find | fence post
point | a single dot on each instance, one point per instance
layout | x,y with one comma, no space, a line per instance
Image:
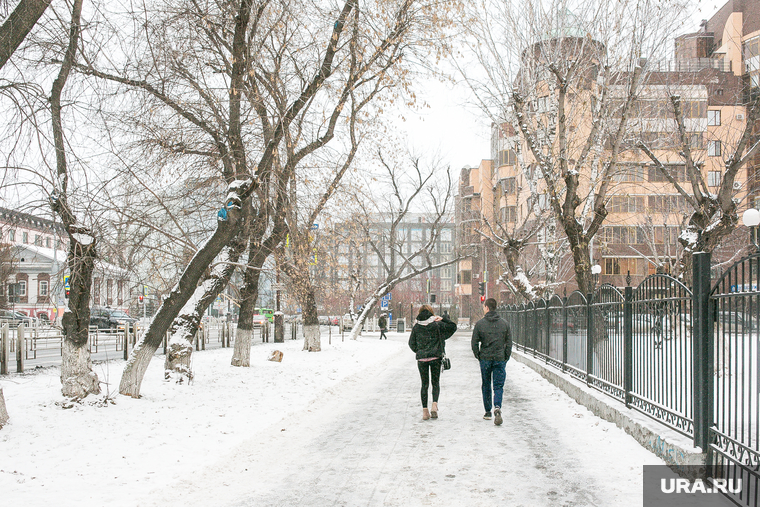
628,344
589,337
564,334
6,344
548,331
20,347
703,381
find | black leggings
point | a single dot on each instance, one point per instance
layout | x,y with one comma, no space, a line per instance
425,376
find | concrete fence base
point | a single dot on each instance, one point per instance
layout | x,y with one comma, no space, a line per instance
672,447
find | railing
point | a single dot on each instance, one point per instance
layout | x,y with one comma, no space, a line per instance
689,359
24,347
629,345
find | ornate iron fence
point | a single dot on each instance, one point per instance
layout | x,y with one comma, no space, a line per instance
687,358
733,357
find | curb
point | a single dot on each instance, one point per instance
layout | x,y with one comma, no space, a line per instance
672,447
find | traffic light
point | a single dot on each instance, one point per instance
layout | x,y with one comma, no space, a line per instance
140,298
67,292
482,299
482,289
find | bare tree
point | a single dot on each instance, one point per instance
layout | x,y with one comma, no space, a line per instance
713,214
566,81
18,24
383,222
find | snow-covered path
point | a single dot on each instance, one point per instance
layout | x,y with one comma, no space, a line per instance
366,444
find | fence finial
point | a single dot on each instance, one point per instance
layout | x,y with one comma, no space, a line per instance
628,278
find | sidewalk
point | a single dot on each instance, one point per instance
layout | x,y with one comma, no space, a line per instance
366,444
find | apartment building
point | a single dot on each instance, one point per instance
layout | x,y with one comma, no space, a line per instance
347,257
714,73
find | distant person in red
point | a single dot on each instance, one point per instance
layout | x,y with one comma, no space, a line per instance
428,341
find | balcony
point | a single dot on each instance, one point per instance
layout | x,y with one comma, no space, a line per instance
689,65
470,215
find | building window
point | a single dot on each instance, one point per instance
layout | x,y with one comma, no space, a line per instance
713,148
506,157
43,289
446,235
465,277
12,235
713,178
611,267
713,118
21,288
37,240
25,237
47,243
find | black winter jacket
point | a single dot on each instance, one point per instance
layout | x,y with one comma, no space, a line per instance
428,335
492,339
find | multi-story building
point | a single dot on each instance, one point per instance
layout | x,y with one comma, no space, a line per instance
714,72
38,251
347,258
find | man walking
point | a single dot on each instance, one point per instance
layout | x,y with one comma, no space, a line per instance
492,346
382,322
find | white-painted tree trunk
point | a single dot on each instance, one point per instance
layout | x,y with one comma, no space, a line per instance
368,307
3,411
241,355
77,378
311,338
179,355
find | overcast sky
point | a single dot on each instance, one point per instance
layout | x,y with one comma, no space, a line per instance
457,130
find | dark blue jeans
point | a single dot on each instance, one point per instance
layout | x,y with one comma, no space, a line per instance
492,371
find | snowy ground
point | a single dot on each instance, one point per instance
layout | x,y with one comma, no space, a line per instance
340,427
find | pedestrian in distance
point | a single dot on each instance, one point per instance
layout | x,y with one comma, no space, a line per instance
382,322
428,342
492,346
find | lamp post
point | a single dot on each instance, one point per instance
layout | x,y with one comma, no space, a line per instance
596,269
751,219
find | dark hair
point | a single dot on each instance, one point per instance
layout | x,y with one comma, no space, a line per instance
491,304
428,308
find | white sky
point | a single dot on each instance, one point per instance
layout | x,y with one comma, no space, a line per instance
453,127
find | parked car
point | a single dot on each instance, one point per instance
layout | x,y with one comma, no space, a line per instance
335,321
15,318
105,317
348,322
323,320
259,320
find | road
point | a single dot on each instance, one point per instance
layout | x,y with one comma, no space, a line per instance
365,443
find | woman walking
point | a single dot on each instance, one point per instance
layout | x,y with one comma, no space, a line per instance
427,341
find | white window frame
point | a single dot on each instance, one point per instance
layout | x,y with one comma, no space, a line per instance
21,288
713,149
43,288
713,117
713,178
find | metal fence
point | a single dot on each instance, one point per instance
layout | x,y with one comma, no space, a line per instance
689,359
23,347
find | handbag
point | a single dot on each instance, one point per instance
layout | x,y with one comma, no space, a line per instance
445,361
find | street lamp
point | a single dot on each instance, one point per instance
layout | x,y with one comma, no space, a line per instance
751,219
596,270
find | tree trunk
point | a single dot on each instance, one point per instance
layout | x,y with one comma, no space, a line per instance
3,411
311,336
18,25
77,378
241,355
369,305
187,322
134,371
582,264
